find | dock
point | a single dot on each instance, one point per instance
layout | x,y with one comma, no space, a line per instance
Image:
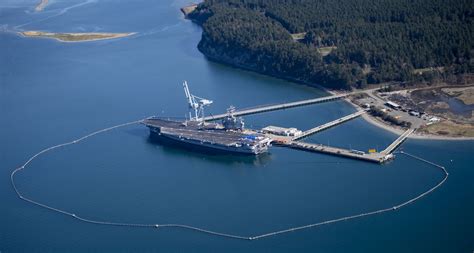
398,141
329,125
275,107
319,148
376,157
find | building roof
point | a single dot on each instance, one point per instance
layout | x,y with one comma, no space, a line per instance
393,104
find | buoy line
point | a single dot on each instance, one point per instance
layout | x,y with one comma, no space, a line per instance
202,230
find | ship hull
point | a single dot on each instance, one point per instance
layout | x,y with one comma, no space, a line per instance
202,145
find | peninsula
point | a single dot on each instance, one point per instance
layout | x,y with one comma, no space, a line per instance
186,10
75,37
384,50
341,44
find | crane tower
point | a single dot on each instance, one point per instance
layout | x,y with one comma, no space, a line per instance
195,104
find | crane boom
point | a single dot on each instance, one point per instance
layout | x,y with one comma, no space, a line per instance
195,103
191,101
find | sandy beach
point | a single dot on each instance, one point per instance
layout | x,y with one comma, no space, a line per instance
188,9
75,37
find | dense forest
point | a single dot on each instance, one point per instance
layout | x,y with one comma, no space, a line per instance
342,43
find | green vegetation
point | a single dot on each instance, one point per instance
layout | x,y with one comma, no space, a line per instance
346,43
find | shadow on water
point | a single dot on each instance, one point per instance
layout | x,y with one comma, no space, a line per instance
174,148
138,132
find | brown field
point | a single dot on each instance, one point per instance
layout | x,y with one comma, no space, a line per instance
464,94
449,128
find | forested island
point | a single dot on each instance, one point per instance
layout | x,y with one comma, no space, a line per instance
341,44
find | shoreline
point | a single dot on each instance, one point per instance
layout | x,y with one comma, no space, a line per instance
414,135
41,5
366,117
74,37
281,77
398,131
186,10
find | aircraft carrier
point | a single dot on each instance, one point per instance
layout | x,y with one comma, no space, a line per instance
229,135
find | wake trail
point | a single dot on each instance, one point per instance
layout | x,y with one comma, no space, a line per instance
60,13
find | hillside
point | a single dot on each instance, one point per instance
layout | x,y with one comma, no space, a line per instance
341,43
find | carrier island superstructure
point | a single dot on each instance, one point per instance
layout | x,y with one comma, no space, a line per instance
229,135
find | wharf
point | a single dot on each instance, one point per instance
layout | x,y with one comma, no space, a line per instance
376,157
370,157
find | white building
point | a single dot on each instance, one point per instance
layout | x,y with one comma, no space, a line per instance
282,131
393,105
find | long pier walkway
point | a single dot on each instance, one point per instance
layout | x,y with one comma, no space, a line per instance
398,141
275,107
329,125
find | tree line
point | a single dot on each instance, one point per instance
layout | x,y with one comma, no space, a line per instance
369,41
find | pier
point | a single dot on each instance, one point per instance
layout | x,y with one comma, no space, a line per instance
376,157
329,125
354,154
398,141
275,107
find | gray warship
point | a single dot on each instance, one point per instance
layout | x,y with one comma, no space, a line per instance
228,136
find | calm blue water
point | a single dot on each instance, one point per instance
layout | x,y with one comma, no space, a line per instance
52,92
